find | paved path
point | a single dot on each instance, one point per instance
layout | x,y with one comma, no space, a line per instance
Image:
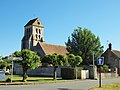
72,85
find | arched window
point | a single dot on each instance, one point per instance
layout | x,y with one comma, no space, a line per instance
39,36
39,31
41,40
36,30
36,36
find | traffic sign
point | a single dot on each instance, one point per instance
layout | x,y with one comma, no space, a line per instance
100,61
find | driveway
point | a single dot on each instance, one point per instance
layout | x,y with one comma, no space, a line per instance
70,85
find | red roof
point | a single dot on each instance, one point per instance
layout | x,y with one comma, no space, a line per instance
51,49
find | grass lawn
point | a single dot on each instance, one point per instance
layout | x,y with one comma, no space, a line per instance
32,79
112,86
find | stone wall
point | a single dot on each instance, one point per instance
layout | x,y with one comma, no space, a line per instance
45,71
108,75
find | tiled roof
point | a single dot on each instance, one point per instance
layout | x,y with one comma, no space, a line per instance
31,22
51,49
117,53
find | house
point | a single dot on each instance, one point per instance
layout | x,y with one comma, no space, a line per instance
33,39
112,58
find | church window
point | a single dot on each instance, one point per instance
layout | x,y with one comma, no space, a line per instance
39,36
38,22
36,36
41,40
36,30
39,31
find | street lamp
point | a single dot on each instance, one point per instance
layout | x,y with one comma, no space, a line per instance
14,59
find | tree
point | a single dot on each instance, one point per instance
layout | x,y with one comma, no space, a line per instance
71,59
83,43
30,61
55,60
4,62
62,60
74,61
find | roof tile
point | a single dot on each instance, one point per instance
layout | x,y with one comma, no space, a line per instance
51,49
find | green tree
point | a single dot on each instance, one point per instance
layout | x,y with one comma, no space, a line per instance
4,62
55,60
83,43
62,60
17,54
30,61
71,59
74,61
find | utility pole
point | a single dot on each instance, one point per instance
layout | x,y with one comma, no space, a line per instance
12,72
100,81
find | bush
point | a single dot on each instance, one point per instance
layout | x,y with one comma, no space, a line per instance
67,73
8,80
26,76
70,73
105,68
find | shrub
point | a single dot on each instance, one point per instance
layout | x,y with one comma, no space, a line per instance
105,68
26,76
8,80
70,73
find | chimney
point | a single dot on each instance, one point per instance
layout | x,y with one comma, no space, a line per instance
110,46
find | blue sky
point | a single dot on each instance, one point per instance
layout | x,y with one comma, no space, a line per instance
60,18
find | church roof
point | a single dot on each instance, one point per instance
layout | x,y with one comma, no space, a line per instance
117,53
51,49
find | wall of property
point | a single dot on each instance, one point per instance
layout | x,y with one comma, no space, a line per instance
108,75
45,71
92,71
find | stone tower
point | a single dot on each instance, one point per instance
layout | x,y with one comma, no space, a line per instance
33,34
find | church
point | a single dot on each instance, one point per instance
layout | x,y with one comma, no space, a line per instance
33,40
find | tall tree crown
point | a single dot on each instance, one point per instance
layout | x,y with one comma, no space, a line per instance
83,43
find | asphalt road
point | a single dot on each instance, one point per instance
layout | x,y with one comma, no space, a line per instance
70,85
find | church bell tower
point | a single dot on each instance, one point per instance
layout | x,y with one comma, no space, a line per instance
33,34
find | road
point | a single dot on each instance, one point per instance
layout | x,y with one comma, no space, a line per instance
70,85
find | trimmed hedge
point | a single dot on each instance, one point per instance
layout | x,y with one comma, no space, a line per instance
70,73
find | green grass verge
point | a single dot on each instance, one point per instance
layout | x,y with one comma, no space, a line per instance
32,79
112,86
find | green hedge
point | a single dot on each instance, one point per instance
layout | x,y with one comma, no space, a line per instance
70,73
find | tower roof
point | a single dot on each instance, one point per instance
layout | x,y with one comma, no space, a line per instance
32,22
